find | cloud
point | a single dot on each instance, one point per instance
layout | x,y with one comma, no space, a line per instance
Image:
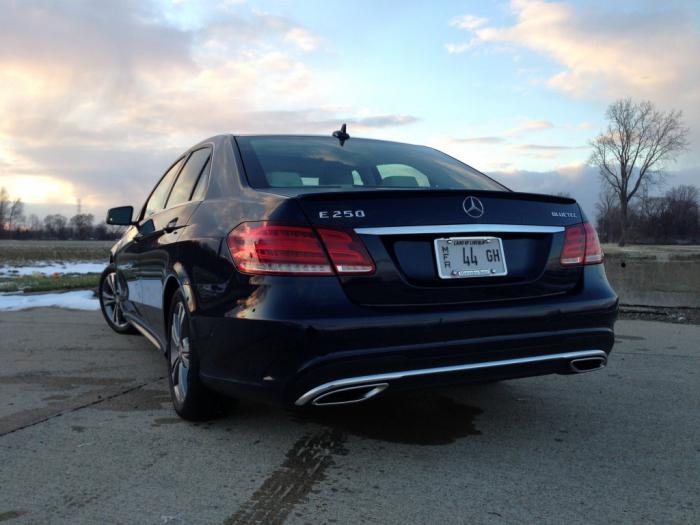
469,22
506,141
98,98
383,121
603,50
302,38
529,126
455,49
479,140
547,147
607,51
55,35
232,30
578,180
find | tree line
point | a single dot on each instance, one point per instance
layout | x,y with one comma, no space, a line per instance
14,224
672,218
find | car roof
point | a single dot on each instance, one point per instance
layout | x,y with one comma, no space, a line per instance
316,136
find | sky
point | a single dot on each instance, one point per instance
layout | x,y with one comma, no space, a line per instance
98,98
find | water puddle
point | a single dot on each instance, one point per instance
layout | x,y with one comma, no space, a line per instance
415,419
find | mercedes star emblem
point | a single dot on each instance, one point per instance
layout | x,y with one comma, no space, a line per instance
473,207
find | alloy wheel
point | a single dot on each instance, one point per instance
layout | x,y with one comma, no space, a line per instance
111,298
179,352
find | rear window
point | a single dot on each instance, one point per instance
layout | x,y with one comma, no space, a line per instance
309,164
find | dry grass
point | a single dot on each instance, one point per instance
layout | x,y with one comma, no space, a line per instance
46,283
23,253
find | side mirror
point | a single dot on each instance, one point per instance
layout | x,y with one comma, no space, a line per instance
121,216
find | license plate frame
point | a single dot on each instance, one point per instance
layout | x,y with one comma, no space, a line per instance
482,271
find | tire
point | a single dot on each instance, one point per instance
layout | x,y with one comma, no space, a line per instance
191,400
111,294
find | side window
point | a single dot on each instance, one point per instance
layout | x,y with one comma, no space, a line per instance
402,176
200,188
156,202
188,177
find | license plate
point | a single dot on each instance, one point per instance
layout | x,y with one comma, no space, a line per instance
463,257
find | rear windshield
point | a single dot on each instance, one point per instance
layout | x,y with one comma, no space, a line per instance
308,164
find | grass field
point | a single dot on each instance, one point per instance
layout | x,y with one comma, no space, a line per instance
47,283
32,253
22,253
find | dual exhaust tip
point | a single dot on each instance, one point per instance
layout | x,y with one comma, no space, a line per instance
359,393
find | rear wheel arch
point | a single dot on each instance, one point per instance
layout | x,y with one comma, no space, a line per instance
178,280
191,399
171,286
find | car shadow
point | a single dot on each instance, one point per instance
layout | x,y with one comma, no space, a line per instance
416,418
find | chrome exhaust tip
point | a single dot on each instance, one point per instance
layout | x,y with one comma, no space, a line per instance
587,364
350,395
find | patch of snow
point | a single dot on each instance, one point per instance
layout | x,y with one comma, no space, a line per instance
77,300
52,268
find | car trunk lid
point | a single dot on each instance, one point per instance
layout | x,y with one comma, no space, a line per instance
401,230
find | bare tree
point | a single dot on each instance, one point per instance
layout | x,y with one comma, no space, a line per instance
607,215
684,212
34,223
16,216
5,205
639,141
82,225
55,226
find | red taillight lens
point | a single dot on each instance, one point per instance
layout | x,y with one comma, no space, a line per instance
260,248
581,246
574,249
347,252
594,252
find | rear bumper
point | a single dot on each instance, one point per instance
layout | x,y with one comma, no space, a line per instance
294,345
365,387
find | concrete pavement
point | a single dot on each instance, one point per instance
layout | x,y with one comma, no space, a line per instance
87,435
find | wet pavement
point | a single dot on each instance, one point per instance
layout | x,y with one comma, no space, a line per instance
87,435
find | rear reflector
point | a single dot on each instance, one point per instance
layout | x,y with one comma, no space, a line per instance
261,248
581,246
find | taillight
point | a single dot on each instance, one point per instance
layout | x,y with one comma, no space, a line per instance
261,248
264,248
581,246
347,252
594,252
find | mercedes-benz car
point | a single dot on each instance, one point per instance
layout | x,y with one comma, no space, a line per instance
311,270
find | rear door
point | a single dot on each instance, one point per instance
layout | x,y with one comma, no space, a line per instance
504,246
160,247
131,258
